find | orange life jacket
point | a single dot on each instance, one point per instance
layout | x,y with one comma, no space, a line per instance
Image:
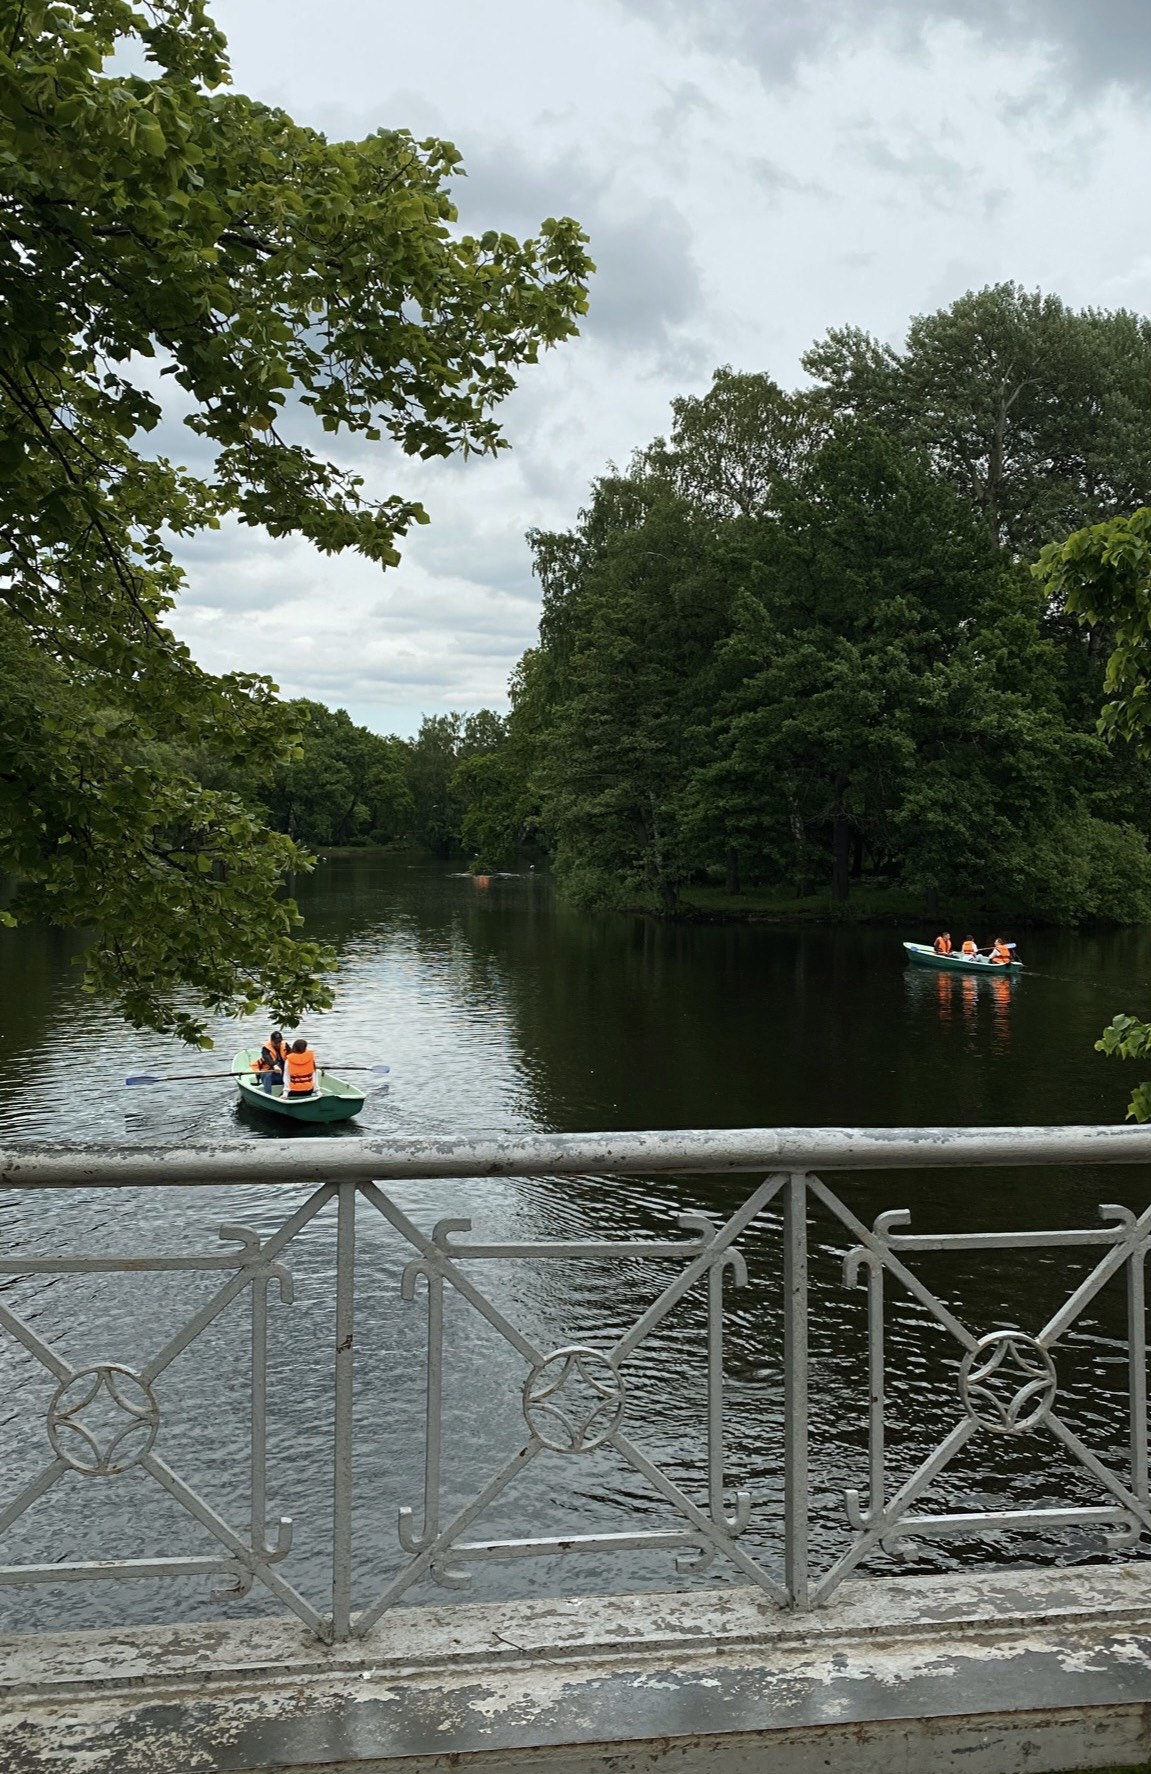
275,1064
300,1073
969,947
943,945
1000,954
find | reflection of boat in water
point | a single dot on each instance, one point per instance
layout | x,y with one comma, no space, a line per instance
925,956
965,997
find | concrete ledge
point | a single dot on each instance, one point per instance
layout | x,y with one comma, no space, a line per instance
1045,1670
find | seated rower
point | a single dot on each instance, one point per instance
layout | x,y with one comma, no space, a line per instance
969,948
1001,955
943,943
269,1068
301,1073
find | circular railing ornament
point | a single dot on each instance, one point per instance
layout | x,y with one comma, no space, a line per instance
121,1417
574,1400
1008,1383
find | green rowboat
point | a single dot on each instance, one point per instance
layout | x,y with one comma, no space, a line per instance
925,956
336,1101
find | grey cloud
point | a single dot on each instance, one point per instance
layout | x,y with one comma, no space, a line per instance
775,38
685,101
937,174
483,627
1095,42
937,178
776,181
506,187
499,561
647,284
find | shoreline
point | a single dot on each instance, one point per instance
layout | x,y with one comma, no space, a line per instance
712,905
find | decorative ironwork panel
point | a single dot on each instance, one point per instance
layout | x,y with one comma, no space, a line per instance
574,1399
1007,1385
106,1419
574,1394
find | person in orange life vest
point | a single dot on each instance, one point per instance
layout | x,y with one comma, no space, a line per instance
270,1065
969,948
943,943
301,1073
1000,953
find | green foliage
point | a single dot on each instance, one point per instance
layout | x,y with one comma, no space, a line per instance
463,794
432,762
1102,575
103,826
1039,416
491,788
632,610
347,786
840,653
734,447
1126,1037
272,274
794,640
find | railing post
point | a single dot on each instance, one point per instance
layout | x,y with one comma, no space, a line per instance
795,1498
1137,1368
259,1473
345,1374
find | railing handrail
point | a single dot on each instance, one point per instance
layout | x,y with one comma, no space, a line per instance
686,1150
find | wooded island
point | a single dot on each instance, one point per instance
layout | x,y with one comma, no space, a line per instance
803,642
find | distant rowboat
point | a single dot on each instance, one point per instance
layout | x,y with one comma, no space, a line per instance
337,1100
925,956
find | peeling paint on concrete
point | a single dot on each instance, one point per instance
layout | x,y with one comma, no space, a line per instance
1041,1670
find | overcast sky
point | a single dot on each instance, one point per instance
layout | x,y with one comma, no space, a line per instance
750,172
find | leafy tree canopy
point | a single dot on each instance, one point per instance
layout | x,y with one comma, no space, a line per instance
1039,415
161,225
1102,575
348,785
788,639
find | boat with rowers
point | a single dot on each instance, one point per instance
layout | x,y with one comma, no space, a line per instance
924,955
336,1100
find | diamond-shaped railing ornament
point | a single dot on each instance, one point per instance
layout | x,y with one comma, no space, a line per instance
574,1400
103,1420
1008,1383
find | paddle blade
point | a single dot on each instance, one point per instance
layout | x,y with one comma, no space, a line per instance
381,1068
144,1078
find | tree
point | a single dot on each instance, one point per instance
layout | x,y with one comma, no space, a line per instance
348,786
445,765
633,607
1038,415
273,276
849,675
853,596
734,447
432,759
1102,575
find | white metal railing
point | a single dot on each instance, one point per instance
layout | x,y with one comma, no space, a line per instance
106,1418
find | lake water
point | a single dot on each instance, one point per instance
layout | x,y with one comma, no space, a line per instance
498,1011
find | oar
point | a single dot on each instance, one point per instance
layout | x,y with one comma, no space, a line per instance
189,1077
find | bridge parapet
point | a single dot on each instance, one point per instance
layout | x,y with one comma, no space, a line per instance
799,1591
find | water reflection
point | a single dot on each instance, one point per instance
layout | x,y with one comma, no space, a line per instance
980,1002
498,1010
